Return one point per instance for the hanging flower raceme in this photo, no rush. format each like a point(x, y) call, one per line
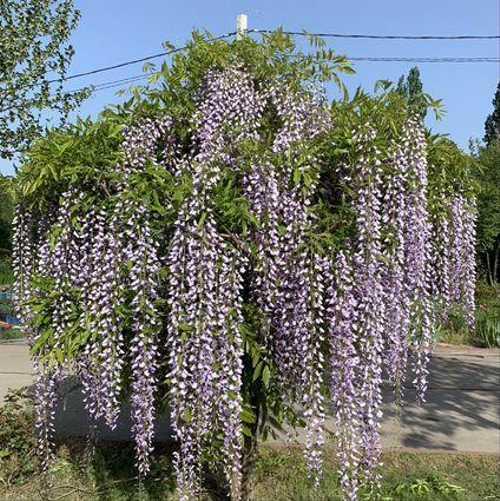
point(205, 345)
point(304, 116)
point(397, 301)
point(319, 274)
point(64, 266)
point(101, 369)
point(368, 272)
point(23, 261)
point(141, 252)
point(462, 274)
point(469, 279)
point(418, 252)
point(261, 188)
point(229, 111)
point(344, 372)
point(146, 141)
point(441, 243)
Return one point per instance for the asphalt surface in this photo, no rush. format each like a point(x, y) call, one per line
point(462, 412)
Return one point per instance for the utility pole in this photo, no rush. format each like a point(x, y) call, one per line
point(241, 26)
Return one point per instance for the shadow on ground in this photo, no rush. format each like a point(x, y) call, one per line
point(462, 407)
point(461, 412)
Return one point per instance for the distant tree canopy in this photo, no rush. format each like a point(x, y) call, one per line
point(6, 210)
point(488, 202)
point(492, 124)
point(487, 174)
point(411, 87)
point(35, 55)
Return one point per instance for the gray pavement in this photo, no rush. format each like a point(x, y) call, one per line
point(462, 412)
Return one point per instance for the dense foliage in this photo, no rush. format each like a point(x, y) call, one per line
point(488, 177)
point(6, 213)
point(34, 36)
point(411, 87)
point(492, 124)
point(231, 245)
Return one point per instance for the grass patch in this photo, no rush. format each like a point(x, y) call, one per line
point(281, 475)
point(6, 273)
point(487, 332)
point(107, 472)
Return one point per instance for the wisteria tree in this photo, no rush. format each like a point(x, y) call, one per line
point(230, 244)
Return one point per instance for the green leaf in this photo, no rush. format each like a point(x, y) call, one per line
point(266, 376)
point(247, 431)
point(248, 416)
point(297, 175)
point(257, 371)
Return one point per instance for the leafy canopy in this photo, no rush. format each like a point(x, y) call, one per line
point(492, 124)
point(35, 49)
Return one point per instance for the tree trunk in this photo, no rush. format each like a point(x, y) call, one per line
point(248, 463)
point(489, 269)
point(495, 265)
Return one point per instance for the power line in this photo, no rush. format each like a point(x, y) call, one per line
point(381, 37)
point(128, 63)
point(117, 83)
point(135, 61)
point(298, 33)
point(428, 59)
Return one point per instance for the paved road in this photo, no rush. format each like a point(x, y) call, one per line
point(462, 412)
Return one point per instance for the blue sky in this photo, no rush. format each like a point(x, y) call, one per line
point(112, 31)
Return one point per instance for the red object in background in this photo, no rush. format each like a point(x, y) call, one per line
point(5, 326)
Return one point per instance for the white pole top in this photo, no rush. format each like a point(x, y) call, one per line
point(241, 26)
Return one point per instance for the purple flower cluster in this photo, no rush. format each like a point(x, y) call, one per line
point(205, 289)
point(379, 299)
point(304, 116)
point(289, 283)
point(441, 248)
point(461, 272)
point(370, 301)
point(397, 299)
point(141, 252)
point(103, 296)
point(23, 261)
point(342, 311)
point(418, 252)
point(205, 346)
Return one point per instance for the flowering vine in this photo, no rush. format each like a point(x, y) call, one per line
point(148, 268)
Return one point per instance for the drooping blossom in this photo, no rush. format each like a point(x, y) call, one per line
point(418, 252)
point(144, 283)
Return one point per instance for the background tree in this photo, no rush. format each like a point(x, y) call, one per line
point(492, 124)
point(35, 55)
point(5, 218)
point(411, 87)
point(487, 173)
point(6, 214)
